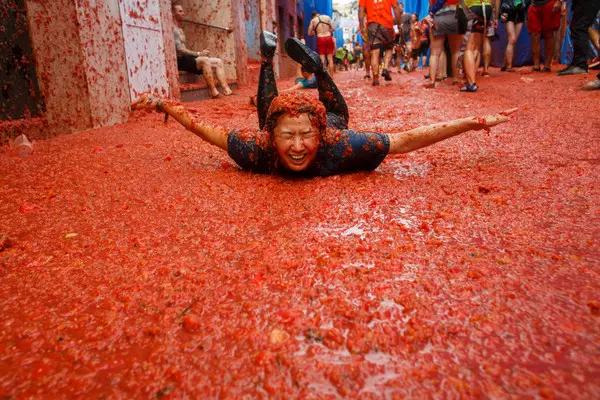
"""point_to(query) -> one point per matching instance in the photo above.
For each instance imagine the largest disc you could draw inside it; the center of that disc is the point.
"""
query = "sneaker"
(593, 85)
(303, 55)
(268, 44)
(572, 70)
(469, 88)
(386, 75)
(594, 63)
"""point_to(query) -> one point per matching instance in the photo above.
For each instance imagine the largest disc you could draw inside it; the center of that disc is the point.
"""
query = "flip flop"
(304, 56)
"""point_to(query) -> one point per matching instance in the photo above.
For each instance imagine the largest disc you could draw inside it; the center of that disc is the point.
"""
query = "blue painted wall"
(252, 16)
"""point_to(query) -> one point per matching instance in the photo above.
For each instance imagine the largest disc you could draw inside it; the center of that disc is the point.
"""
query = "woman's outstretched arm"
(404, 142)
(214, 135)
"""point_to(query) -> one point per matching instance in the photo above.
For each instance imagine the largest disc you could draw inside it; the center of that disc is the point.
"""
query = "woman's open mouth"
(297, 158)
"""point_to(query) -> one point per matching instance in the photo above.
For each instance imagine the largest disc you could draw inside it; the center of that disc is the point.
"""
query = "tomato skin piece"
(192, 323)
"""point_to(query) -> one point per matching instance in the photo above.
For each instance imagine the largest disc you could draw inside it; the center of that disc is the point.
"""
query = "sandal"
(536, 69)
(469, 88)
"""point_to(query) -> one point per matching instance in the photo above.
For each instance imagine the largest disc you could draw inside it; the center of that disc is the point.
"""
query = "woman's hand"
(147, 101)
(496, 119)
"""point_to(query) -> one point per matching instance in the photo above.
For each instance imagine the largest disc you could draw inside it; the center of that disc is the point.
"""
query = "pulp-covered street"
(138, 261)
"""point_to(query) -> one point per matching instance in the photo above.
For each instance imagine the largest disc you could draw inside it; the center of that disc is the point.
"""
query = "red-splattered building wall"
(82, 62)
(93, 57)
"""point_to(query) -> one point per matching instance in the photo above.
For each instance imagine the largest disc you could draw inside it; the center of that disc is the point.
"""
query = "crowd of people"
(299, 135)
(457, 34)
(453, 40)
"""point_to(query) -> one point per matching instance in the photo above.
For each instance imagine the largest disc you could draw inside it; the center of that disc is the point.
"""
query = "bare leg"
(367, 63)
(331, 65)
(443, 65)
(455, 42)
(375, 64)
(487, 54)
(437, 45)
(217, 64)
(536, 50)
(409, 54)
(549, 47)
(512, 31)
(203, 64)
(473, 46)
(387, 57)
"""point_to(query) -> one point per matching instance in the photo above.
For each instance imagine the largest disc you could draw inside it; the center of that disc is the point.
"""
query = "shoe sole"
(303, 55)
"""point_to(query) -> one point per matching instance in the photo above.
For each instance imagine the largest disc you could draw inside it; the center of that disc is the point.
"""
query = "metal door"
(144, 50)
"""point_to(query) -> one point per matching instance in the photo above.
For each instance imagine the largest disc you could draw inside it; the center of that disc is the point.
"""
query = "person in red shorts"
(322, 27)
(543, 20)
(375, 18)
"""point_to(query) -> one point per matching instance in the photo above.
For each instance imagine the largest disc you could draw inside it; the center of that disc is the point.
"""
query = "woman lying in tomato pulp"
(300, 135)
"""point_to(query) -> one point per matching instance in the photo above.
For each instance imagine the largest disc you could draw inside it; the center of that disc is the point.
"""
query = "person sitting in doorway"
(197, 62)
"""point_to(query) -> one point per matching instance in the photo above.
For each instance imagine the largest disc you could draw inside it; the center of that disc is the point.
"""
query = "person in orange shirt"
(375, 18)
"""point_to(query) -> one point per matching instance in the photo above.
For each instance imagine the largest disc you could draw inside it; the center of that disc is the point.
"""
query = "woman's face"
(414, 18)
(296, 141)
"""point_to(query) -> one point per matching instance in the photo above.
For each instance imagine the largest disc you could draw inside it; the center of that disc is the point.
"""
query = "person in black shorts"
(512, 15)
(477, 15)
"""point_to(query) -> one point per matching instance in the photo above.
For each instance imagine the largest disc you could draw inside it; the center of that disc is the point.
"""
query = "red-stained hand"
(146, 101)
(492, 120)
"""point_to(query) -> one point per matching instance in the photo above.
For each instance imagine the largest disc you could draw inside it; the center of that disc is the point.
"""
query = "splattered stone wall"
(60, 63)
(104, 64)
(79, 59)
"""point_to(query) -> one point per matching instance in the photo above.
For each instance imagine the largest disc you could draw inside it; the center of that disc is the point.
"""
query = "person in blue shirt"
(301, 136)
